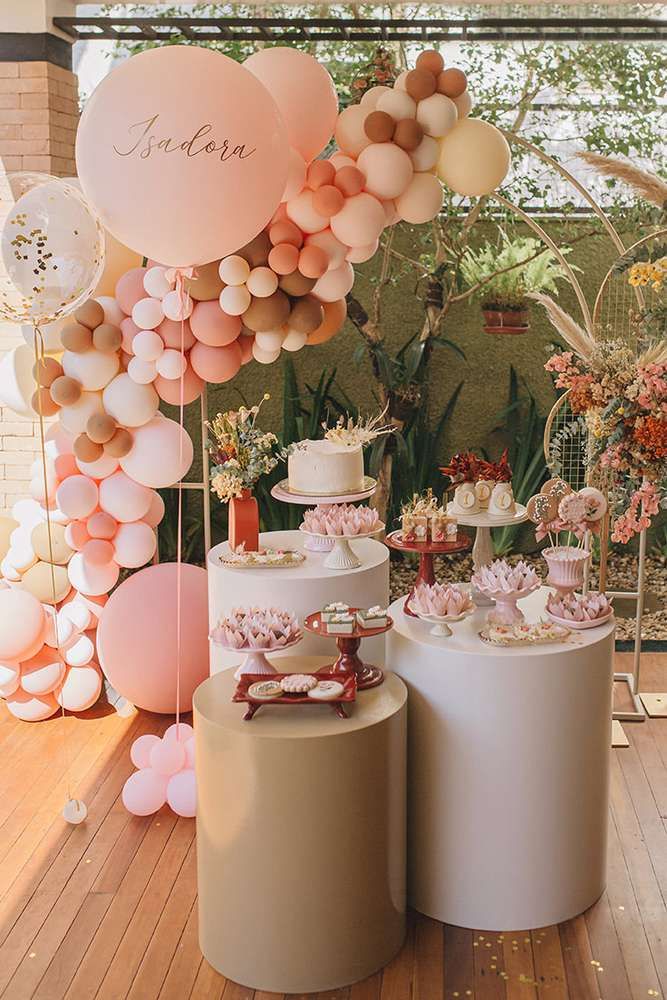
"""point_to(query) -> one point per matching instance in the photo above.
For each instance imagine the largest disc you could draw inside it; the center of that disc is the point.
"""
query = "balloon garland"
(255, 255)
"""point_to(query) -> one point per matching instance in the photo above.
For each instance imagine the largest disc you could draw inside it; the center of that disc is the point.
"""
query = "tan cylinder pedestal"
(300, 836)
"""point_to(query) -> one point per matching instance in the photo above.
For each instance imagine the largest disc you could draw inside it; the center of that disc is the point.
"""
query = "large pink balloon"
(304, 93)
(138, 627)
(183, 153)
(161, 453)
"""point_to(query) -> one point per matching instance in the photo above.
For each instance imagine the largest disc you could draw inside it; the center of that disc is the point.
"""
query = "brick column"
(39, 111)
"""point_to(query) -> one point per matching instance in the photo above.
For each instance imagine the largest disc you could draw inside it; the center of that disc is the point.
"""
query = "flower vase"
(566, 567)
(244, 522)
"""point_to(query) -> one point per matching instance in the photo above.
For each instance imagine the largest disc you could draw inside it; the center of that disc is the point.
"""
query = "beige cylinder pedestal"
(300, 836)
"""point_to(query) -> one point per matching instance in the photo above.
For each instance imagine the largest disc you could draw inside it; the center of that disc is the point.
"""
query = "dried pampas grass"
(656, 354)
(574, 335)
(646, 184)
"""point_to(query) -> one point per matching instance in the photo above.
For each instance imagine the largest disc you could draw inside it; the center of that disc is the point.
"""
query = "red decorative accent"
(244, 522)
(349, 660)
(348, 681)
(426, 550)
(512, 321)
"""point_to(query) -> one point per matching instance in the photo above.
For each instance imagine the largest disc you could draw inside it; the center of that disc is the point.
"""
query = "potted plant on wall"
(503, 277)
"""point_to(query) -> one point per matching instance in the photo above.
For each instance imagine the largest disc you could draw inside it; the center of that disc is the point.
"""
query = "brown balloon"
(90, 314)
(101, 427)
(296, 284)
(76, 338)
(267, 314)
(379, 126)
(46, 370)
(328, 200)
(257, 251)
(420, 83)
(107, 338)
(65, 391)
(207, 284)
(307, 314)
(408, 134)
(350, 180)
(56, 550)
(120, 443)
(452, 82)
(431, 61)
(43, 402)
(39, 581)
(334, 317)
(87, 450)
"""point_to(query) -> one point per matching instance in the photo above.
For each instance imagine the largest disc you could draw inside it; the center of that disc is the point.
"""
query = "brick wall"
(39, 112)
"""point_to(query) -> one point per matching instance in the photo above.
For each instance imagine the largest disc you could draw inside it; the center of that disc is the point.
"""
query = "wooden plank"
(459, 963)
(65, 962)
(488, 964)
(233, 991)
(367, 989)
(209, 984)
(582, 971)
(606, 949)
(520, 983)
(397, 976)
(429, 974)
(549, 968)
(185, 963)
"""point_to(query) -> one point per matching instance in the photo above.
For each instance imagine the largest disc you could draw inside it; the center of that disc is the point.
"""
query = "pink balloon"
(77, 496)
(360, 221)
(216, 364)
(98, 552)
(101, 525)
(167, 757)
(190, 752)
(65, 465)
(170, 331)
(138, 626)
(76, 535)
(141, 749)
(134, 544)
(43, 672)
(333, 248)
(161, 453)
(301, 212)
(31, 707)
(129, 330)
(246, 345)
(170, 389)
(304, 93)
(334, 285)
(155, 511)
(130, 289)
(91, 579)
(357, 255)
(183, 153)
(213, 327)
(100, 468)
(81, 688)
(296, 175)
(123, 498)
(147, 313)
(182, 793)
(144, 792)
(387, 169)
(148, 345)
(180, 731)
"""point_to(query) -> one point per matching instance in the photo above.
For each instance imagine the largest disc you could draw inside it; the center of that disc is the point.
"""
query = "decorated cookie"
(298, 683)
(326, 691)
(265, 690)
(542, 508)
(556, 487)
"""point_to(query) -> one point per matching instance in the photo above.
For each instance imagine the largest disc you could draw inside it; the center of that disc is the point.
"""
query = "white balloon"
(425, 156)
(269, 340)
(156, 282)
(398, 104)
(92, 580)
(160, 455)
(8, 571)
(147, 313)
(128, 402)
(142, 372)
(92, 369)
(17, 384)
(100, 468)
(294, 341)
(147, 345)
(177, 307)
(112, 311)
(50, 336)
(437, 114)
(171, 364)
(264, 357)
(75, 417)
(77, 614)
(80, 652)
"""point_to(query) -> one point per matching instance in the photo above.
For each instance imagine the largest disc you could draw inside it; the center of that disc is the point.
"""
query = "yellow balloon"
(474, 158)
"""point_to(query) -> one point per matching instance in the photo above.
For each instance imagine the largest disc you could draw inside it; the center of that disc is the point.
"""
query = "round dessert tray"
(592, 623)
(440, 623)
(341, 555)
(320, 543)
(482, 550)
(426, 550)
(255, 661)
(253, 560)
(349, 660)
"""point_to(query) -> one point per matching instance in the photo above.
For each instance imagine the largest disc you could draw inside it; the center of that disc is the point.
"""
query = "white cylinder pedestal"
(508, 771)
(300, 836)
(301, 589)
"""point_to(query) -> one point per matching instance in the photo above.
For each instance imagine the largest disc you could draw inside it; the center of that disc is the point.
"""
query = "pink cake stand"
(321, 543)
(255, 661)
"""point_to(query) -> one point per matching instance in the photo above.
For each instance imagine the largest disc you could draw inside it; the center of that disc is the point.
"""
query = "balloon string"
(179, 550)
(40, 355)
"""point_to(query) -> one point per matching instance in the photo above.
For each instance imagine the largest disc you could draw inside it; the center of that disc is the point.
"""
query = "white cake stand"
(482, 550)
(322, 543)
(440, 624)
(255, 661)
(341, 555)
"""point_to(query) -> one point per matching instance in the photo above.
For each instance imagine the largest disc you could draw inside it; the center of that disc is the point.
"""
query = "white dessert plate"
(482, 518)
(282, 491)
(579, 625)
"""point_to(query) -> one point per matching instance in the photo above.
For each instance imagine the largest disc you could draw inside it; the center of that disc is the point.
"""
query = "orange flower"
(651, 433)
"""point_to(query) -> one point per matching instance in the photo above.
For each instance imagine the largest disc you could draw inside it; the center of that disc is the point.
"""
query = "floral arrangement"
(467, 467)
(557, 508)
(241, 453)
(579, 607)
(341, 519)
(441, 600)
(257, 628)
(645, 272)
(499, 577)
(425, 503)
(360, 431)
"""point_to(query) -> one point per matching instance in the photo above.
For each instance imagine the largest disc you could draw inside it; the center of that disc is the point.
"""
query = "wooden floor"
(108, 909)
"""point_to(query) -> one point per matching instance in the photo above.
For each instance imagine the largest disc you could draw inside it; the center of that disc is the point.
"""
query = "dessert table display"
(508, 770)
(299, 588)
(349, 633)
(300, 836)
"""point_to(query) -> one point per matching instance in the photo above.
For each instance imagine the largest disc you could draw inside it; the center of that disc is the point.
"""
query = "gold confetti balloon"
(51, 249)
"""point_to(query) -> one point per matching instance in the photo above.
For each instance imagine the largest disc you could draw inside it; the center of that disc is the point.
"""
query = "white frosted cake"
(325, 468)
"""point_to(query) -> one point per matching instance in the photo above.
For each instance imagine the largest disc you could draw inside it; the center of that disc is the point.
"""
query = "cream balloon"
(350, 135)
(17, 383)
(421, 201)
(130, 403)
(160, 455)
(387, 169)
(474, 158)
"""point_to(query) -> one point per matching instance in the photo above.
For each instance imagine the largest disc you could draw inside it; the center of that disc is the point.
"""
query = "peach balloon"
(350, 180)
(64, 466)
(328, 200)
(185, 207)
(246, 345)
(340, 160)
(216, 364)
(174, 334)
(101, 525)
(387, 169)
(269, 341)
(98, 551)
(283, 258)
(134, 544)
(212, 326)
(129, 330)
(102, 467)
(155, 511)
(285, 232)
(425, 156)
(234, 270)
(350, 134)
(335, 284)
(76, 535)
(463, 104)
(304, 93)
(161, 452)
(296, 175)
(294, 341)
(262, 282)
(234, 300)
(437, 115)
(334, 317)
(372, 96)
(421, 201)
(21, 624)
(320, 172)
(138, 626)
(77, 496)
(263, 356)
(358, 255)
(313, 262)
(333, 248)
(398, 104)
(170, 389)
(474, 158)
(123, 498)
(360, 222)
(301, 211)
(130, 289)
